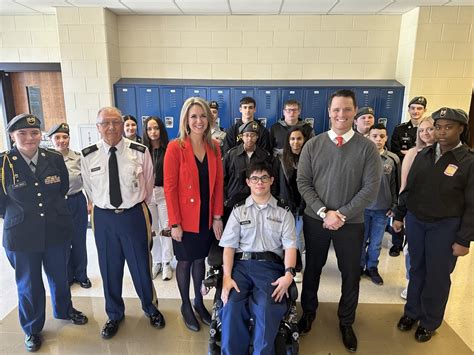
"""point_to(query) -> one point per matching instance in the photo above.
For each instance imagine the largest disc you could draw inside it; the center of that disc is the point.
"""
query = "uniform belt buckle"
(246, 255)
(119, 210)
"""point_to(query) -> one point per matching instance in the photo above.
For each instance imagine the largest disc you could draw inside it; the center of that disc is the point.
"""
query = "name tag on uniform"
(97, 168)
(274, 219)
(242, 223)
(19, 184)
(53, 179)
(450, 170)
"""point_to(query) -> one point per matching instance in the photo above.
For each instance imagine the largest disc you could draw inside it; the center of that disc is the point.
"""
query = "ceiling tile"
(360, 6)
(255, 7)
(307, 6)
(152, 7)
(11, 8)
(203, 7)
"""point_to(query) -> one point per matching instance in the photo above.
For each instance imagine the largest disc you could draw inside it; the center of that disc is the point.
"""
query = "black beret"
(59, 128)
(250, 126)
(24, 120)
(213, 104)
(364, 111)
(453, 114)
(418, 100)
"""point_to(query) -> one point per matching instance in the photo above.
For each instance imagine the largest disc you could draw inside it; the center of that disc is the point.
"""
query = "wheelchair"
(286, 341)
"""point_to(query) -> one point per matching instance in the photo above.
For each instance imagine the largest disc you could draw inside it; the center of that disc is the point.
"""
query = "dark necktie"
(33, 167)
(114, 181)
(339, 141)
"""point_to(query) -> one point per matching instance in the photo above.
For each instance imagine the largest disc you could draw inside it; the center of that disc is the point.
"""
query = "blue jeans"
(374, 228)
(299, 232)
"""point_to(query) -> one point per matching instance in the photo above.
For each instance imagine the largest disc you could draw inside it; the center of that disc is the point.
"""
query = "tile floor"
(379, 309)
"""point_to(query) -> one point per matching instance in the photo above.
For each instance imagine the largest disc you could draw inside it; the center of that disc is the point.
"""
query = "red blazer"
(181, 185)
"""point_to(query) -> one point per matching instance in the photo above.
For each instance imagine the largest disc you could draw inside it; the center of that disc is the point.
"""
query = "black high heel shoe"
(202, 312)
(190, 320)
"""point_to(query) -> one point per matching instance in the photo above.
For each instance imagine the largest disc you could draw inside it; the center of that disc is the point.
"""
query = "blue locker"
(172, 99)
(389, 107)
(267, 106)
(148, 104)
(236, 95)
(367, 97)
(125, 99)
(290, 94)
(195, 92)
(222, 97)
(315, 108)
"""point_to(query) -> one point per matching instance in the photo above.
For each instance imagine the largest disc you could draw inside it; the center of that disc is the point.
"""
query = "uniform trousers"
(77, 266)
(347, 242)
(29, 282)
(432, 262)
(254, 301)
(162, 250)
(119, 237)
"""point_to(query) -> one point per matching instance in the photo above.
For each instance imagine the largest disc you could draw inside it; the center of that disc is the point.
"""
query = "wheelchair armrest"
(293, 291)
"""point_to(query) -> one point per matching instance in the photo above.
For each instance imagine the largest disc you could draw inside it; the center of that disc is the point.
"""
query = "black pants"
(347, 243)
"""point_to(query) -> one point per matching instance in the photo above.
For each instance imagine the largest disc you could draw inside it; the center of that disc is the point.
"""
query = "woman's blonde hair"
(184, 129)
(419, 142)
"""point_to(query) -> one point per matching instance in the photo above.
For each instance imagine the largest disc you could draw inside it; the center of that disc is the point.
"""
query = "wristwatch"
(174, 225)
(291, 270)
(322, 213)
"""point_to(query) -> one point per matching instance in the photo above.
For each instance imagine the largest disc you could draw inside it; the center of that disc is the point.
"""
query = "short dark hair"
(259, 166)
(378, 126)
(292, 102)
(342, 93)
(247, 100)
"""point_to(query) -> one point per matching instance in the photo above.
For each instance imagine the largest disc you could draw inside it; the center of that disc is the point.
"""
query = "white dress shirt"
(345, 137)
(135, 174)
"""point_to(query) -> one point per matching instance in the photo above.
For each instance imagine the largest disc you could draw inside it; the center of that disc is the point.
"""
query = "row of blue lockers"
(164, 98)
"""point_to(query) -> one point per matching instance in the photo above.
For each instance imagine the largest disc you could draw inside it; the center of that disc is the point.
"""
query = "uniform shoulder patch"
(137, 146)
(240, 203)
(51, 150)
(282, 203)
(92, 148)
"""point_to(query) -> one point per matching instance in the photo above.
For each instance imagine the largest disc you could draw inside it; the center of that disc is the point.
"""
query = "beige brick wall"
(259, 47)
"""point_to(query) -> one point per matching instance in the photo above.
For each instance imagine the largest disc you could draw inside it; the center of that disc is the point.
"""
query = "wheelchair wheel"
(214, 349)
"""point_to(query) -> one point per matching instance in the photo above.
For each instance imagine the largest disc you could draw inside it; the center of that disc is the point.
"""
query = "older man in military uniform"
(118, 178)
(37, 227)
(259, 265)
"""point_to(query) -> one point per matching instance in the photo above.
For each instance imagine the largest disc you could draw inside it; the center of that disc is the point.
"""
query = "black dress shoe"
(395, 250)
(77, 317)
(305, 322)
(32, 342)
(405, 323)
(422, 334)
(110, 328)
(203, 314)
(374, 275)
(348, 338)
(157, 320)
(86, 283)
(190, 320)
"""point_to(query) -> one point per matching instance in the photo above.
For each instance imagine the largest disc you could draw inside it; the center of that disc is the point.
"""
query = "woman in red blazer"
(194, 192)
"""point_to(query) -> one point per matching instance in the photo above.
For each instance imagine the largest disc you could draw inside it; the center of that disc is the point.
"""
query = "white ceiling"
(227, 7)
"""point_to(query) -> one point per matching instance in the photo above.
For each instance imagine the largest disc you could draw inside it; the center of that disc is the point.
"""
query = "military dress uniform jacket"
(403, 138)
(33, 204)
(441, 190)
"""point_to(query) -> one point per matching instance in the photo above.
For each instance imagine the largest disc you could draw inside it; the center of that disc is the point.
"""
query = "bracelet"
(217, 219)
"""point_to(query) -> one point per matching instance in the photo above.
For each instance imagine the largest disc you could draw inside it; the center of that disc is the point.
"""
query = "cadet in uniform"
(438, 206)
(259, 265)
(77, 204)
(37, 227)
(118, 178)
(217, 132)
(236, 162)
(404, 138)
(363, 120)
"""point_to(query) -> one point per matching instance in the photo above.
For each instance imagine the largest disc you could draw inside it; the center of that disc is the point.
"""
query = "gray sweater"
(343, 178)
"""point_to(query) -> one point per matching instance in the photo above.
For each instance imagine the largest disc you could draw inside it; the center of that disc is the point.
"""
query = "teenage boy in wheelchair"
(258, 268)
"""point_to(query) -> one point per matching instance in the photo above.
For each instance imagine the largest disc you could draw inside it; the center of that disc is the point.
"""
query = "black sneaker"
(374, 275)
(395, 251)
(32, 342)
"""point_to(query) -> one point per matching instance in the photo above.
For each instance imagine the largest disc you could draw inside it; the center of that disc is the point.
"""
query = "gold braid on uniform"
(5, 158)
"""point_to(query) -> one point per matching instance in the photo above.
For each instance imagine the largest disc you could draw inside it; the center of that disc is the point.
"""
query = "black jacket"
(287, 188)
(34, 205)
(403, 138)
(233, 137)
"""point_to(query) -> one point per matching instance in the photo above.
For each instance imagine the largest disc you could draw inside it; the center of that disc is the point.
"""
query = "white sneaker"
(298, 277)
(404, 293)
(155, 270)
(167, 273)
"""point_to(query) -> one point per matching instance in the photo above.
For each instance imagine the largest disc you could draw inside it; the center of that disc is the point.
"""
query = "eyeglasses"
(110, 123)
(292, 109)
(255, 179)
